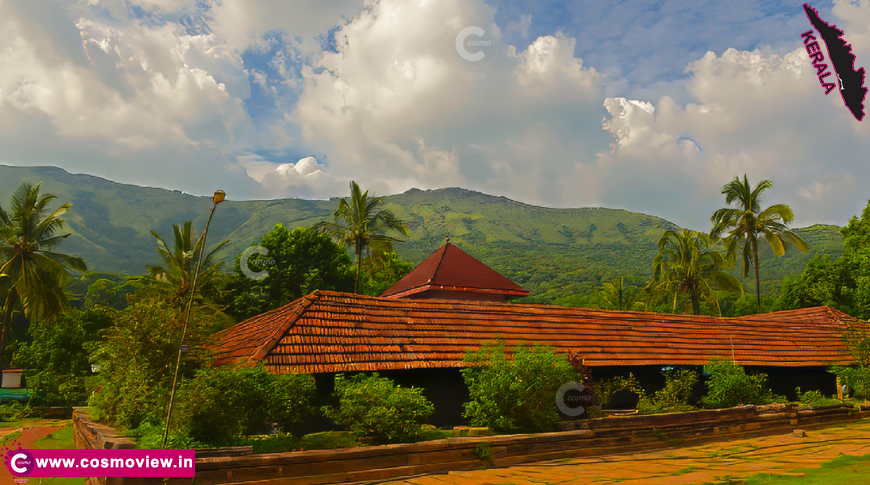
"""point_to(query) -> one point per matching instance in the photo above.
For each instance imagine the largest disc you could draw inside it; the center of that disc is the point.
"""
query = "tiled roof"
(450, 268)
(338, 332)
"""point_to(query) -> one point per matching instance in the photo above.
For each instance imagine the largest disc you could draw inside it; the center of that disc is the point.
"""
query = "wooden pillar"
(839, 389)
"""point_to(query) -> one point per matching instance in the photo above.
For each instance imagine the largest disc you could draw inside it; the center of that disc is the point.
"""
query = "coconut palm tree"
(359, 221)
(35, 275)
(175, 273)
(746, 222)
(687, 265)
(618, 296)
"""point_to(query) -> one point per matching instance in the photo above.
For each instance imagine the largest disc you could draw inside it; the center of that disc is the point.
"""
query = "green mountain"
(553, 253)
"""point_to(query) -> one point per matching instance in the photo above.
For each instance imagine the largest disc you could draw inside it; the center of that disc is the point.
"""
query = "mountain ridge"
(553, 252)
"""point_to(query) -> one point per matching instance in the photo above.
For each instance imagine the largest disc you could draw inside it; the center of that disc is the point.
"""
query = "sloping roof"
(338, 332)
(450, 268)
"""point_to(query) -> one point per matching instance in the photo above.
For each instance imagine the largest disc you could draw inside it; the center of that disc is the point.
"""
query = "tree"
(359, 221)
(382, 268)
(843, 282)
(686, 264)
(746, 222)
(175, 275)
(35, 274)
(617, 296)
(295, 264)
(57, 363)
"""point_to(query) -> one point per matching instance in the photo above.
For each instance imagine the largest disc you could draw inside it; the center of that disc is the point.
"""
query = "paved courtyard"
(709, 463)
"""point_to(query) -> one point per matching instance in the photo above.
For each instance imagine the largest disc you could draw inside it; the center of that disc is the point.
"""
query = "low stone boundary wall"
(589, 437)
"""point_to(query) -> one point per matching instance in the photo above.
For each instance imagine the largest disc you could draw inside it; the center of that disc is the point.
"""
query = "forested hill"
(554, 253)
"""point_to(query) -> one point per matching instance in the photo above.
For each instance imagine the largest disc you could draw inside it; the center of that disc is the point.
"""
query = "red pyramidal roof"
(452, 269)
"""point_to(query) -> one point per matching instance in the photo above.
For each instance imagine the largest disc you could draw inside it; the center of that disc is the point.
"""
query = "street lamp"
(218, 197)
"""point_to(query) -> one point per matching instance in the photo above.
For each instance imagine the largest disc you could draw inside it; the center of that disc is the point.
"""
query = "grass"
(61, 439)
(843, 470)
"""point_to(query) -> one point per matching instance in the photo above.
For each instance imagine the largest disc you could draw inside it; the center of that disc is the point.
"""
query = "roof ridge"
(438, 266)
(276, 336)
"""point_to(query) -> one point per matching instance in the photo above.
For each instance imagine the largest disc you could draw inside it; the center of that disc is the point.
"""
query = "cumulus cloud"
(242, 94)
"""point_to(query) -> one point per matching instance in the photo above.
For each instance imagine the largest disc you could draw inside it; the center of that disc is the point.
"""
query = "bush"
(137, 360)
(814, 399)
(222, 404)
(14, 411)
(674, 398)
(856, 377)
(605, 389)
(375, 410)
(731, 386)
(516, 395)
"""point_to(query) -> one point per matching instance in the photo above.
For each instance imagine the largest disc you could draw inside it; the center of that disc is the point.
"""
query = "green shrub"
(219, 405)
(815, 399)
(729, 385)
(291, 402)
(14, 411)
(856, 377)
(517, 395)
(376, 410)
(605, 389)
(674, 398)
(137, 359)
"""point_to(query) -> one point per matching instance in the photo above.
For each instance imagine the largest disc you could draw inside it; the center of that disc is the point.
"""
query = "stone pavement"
(708, 463)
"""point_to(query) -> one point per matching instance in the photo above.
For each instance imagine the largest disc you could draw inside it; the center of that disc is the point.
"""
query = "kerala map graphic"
(851, 81)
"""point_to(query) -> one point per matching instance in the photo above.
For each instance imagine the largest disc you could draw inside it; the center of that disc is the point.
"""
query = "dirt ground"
(30, 432)
(709, 463)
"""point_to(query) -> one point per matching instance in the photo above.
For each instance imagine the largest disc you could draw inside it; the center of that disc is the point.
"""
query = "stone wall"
(589, 437)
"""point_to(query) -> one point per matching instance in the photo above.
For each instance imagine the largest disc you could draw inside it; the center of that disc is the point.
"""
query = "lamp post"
(219, 196)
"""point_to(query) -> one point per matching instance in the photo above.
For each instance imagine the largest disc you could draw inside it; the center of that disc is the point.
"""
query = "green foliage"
(844, 282)
(137, 358)
(358, 221)
(56, 364)
(616, 295)
(605, 389)
(381, 269)
(674, 398)
(221, 404)
(376, 410)
(688, 266)
(32, 274)
(856, 377)
(814, 398)
(747, 304)
(107, 289)
(173, 278)
(515, 395)
(729, 386)
(746, 223)
(14, 411)
(298, 262)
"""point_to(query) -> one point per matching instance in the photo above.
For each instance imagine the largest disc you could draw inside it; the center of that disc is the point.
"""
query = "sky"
(648, 106)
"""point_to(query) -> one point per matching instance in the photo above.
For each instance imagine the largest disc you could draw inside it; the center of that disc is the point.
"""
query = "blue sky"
(649, 106)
